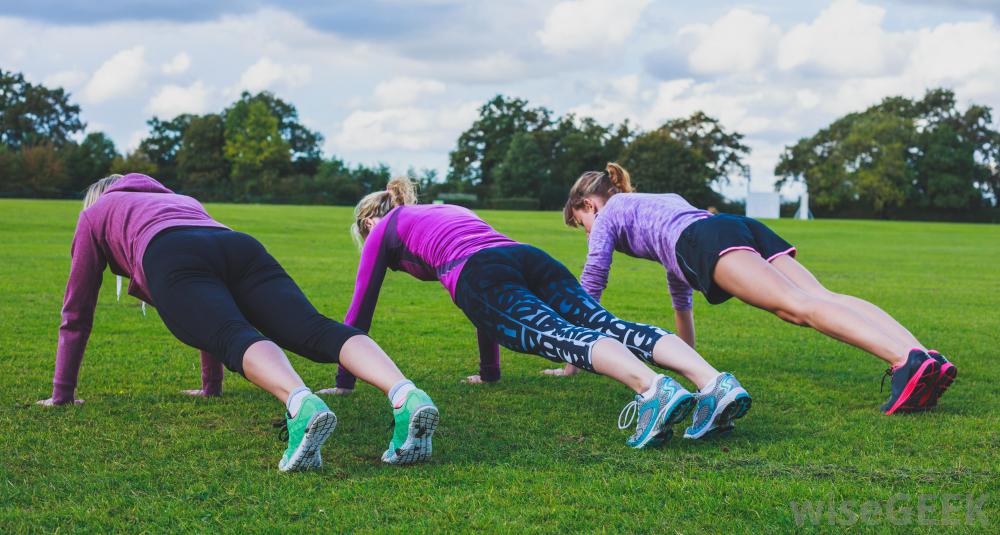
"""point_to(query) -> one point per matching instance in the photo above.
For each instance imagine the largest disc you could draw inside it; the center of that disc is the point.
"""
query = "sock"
(295, 399)
(398, 392)
(709, 386)
(651, 391)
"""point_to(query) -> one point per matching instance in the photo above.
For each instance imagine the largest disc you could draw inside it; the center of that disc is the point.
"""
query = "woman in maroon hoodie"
(221, 292)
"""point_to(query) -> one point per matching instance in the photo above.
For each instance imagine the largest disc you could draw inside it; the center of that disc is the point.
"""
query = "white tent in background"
(763, 205)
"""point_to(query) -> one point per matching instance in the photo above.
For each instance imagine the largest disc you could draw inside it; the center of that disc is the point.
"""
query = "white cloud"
(404, 90)
(173, 100)
(738, 42)
(68, 80)
(405, 128)
(266, 74)
(593, 25)
(178, 65)
(122, 74)
(846, 39)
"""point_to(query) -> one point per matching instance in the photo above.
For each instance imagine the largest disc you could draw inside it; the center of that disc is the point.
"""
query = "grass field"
(531, 453)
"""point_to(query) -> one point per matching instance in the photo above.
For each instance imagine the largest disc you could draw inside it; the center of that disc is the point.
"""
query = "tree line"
(905, 158)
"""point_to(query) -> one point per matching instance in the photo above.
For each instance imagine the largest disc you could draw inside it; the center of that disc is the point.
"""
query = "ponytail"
(614, 179)
(398, 192)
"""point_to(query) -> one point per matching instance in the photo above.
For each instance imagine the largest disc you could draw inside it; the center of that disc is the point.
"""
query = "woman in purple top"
(724, 256)
(216, 290)
(520, 297)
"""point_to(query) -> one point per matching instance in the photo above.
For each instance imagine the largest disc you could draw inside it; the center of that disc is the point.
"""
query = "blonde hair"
(95, 190)
(400, 191)
(614, 179)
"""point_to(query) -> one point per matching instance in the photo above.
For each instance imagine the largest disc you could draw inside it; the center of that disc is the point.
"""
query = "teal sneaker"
(415, 423)
(722, 401)
(306, 434)
(670, 404)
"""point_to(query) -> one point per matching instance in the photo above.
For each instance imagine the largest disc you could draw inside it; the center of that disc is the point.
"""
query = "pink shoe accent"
(791, 251)
(738, 248)
(917, 380)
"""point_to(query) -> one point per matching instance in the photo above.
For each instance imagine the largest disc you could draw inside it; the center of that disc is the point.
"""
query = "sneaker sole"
(418, 446)
(307, 456)
(674, 413)
(722, 422)
(926, 378)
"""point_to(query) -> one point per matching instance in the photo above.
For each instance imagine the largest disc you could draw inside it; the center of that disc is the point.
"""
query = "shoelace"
(628, 413)
(282, 428)
(888, 373)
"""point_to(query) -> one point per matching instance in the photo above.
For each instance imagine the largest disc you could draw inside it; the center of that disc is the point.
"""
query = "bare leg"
(265, 365)
(366, 360)
(804, 279)
(674, 354)
(613, 359)
(750, 278)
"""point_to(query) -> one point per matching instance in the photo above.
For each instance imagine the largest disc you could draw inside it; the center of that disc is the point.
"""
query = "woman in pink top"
(724, 256)
(216, 290)
(520, 297)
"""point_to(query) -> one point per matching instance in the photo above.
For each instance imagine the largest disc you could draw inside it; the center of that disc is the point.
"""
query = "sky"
(397, 81)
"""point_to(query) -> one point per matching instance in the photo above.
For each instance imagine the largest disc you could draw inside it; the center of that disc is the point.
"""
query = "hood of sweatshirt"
(138, 182)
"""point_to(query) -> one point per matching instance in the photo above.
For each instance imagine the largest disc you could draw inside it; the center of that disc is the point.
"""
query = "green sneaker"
(415, 421)
(306, 434)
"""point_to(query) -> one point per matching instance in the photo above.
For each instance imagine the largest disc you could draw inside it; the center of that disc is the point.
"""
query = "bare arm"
(684, 320)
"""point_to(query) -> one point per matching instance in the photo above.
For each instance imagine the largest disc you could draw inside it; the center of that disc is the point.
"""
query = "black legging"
(531, 303)
(220, 291)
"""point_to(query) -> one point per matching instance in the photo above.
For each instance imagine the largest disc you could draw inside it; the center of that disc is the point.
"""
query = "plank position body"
(221, 292)
(727, 255)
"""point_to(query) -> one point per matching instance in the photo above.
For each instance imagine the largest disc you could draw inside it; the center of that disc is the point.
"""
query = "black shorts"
(703, 242)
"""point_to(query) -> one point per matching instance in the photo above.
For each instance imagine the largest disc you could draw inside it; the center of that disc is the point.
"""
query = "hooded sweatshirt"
(114, 232)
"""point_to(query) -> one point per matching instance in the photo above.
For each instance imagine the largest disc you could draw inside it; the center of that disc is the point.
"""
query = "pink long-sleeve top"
(430, 242)
(114, 232)
(643, 225)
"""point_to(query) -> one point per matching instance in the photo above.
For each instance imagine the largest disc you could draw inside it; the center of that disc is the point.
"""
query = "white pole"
(804, 206)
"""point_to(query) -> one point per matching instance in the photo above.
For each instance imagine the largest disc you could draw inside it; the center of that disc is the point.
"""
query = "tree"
(254, 147)
(89, 161)
(686, 156)
(202, 168)
(923, 156)
(34, 114)
(43, 172)
(136, 161)
(162, 144)
(306, 154)
(484, 145)
(525, 168)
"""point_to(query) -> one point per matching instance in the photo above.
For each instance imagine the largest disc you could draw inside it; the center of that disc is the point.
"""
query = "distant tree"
(34, 114)
(482, 147)
(255, 149)
(202, 168)
(88, 161)
(686, 156)
(136, 161)
(525, 168)
(305, 144)
(162, 144)
(43, 171)
(901, 154)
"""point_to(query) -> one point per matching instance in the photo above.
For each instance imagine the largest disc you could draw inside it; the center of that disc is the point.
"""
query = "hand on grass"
(562, 372)
(473, 380)
(336, 391)
(51, 403)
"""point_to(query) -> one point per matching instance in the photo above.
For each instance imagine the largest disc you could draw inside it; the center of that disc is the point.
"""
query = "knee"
(798, 309)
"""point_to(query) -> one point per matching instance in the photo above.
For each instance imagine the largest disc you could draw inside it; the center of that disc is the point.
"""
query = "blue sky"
(397, 80)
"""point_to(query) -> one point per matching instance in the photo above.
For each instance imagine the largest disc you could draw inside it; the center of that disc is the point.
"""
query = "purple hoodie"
(114, 232)
(643, 225)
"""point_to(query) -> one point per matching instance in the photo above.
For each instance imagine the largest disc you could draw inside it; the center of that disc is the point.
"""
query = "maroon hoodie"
(114, 232)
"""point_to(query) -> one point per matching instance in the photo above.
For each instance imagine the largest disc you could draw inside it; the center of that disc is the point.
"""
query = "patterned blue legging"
(533, 304)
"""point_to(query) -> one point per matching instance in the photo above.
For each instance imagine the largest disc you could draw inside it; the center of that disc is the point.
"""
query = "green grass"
(531, 453)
